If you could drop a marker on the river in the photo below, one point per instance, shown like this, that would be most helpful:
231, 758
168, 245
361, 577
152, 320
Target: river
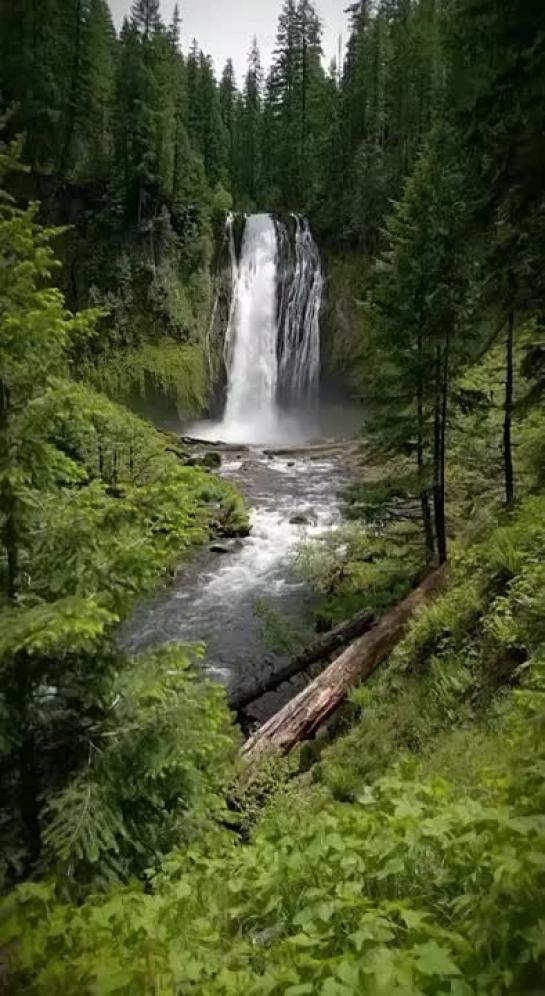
216, 597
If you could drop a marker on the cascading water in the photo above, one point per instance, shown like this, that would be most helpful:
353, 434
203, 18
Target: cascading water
230, 240
299, 340
253, 332
272, 341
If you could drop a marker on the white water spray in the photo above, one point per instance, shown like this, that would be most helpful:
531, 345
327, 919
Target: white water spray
272, 341
252, 336
299, 352
230, 240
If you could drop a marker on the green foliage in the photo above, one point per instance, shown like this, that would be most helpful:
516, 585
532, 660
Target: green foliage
479, 636
280, 634
97, 778
115, 516
174, 369
159, 767
355, 567
422, 885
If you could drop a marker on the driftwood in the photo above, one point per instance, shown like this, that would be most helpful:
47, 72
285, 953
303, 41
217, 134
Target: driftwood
215, 444
319, 650
313, 449
308, 711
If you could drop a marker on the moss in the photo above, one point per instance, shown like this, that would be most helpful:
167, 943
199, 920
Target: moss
178, 369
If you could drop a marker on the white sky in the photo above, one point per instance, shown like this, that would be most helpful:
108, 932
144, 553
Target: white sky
225, 28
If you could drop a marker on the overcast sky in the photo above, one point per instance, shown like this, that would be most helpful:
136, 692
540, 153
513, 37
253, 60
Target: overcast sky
225, 28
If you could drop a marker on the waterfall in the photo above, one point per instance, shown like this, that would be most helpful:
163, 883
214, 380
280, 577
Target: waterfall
253, 332
272, 339
230, 240
299, 341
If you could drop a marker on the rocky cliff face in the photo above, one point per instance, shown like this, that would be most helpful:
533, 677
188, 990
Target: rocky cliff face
346, 331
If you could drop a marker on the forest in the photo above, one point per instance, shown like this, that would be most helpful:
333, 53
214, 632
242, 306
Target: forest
399, 847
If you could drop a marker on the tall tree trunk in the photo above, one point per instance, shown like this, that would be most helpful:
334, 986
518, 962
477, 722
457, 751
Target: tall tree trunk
508, 412
29, 797
176, 163
442, 545
11, 540
427, 524
441, 389
8, 500
25, 754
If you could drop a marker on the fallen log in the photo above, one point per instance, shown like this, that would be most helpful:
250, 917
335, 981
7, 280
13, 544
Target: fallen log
319, 650
215, 444
313, 449
308, 711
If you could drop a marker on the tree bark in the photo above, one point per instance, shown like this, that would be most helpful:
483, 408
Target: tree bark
508, 413
317, 651
427, 524
439, 449
8, 499
28, 798
11, 541
309, 710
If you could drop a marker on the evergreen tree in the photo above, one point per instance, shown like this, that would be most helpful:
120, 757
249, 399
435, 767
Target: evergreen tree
296, 75
95, 118
35, 70
146, 17
250, 126
421, 302
227, 96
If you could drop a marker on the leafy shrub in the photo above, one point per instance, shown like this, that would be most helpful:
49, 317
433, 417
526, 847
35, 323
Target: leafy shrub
416, 887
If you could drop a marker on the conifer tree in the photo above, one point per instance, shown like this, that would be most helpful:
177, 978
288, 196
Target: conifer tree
95, 119
227, 97
146, 17
251, 125
421, 302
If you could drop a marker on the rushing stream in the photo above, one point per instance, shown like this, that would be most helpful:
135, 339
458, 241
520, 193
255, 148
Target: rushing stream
214, 599
272, 355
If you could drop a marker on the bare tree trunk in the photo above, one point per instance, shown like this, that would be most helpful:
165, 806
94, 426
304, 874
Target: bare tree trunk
309, 710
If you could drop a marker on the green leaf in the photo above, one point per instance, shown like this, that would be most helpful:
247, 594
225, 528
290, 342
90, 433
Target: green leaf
432, 959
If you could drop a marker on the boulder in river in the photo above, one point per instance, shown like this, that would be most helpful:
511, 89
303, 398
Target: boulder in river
306, 517
210, 460
225, 546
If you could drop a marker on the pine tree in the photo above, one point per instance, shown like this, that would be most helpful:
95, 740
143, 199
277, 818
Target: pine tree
227, 97
95, 124
296, 79
496, 54
421, 307
35, 67
146, 17
250, 126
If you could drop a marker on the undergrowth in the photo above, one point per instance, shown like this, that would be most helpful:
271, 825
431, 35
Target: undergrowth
412, 861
